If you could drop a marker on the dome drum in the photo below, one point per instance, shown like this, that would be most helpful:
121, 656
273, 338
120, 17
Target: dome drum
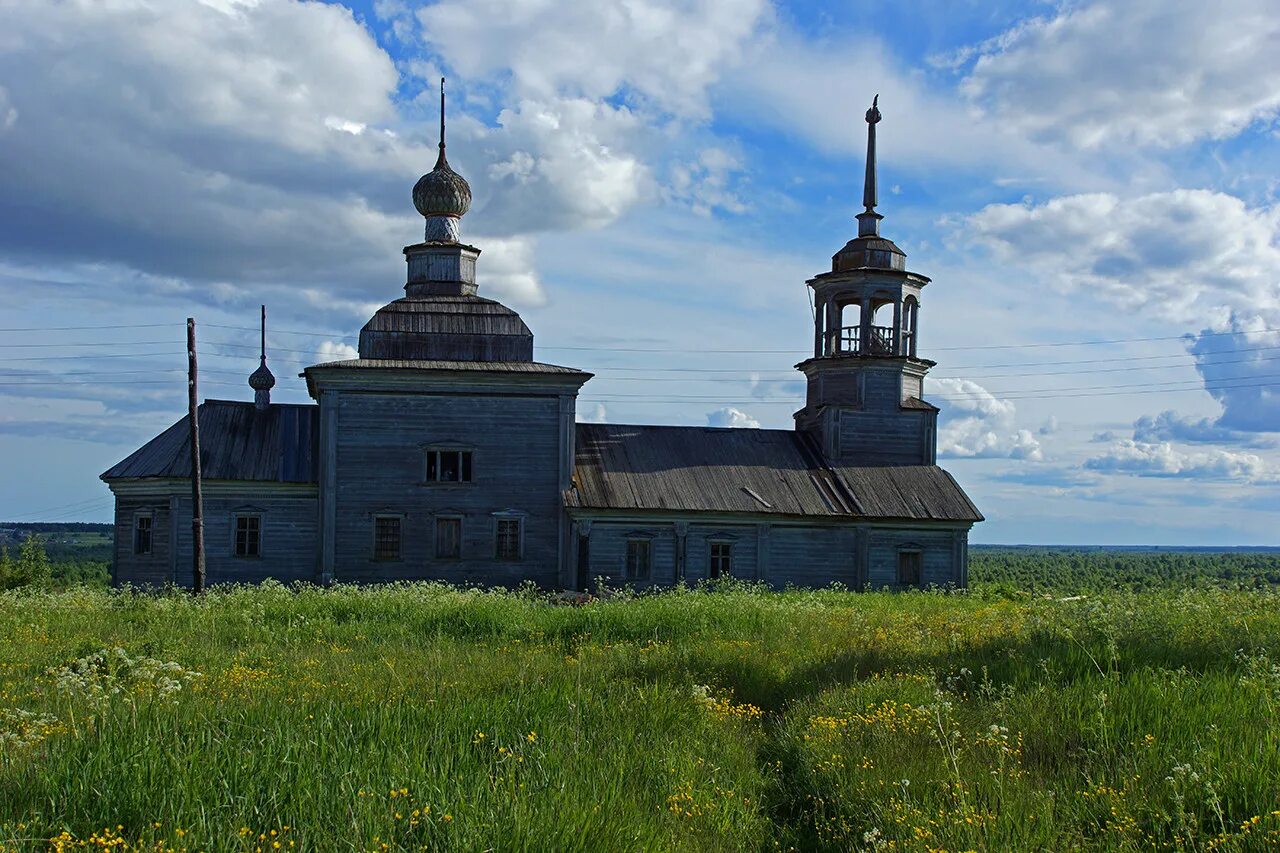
446, 328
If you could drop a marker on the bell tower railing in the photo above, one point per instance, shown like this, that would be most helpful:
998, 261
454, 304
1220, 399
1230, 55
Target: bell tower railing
848, 341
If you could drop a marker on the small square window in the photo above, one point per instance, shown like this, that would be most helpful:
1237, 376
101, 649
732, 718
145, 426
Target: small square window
248, 536
386, 537
142, 534
449, 466
909, 564
507, 541
448, 538
638, 558
721, 560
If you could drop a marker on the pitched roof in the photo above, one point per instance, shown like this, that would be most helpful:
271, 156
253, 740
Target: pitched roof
237, 442
703, 469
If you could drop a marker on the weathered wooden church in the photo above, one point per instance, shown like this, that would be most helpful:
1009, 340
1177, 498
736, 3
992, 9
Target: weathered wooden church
444, 451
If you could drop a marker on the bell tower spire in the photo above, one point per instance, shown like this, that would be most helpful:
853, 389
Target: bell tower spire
869, 220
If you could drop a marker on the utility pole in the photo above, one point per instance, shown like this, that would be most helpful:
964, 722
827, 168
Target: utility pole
197, 501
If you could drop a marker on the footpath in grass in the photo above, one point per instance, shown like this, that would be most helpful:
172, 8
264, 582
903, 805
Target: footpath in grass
420, 717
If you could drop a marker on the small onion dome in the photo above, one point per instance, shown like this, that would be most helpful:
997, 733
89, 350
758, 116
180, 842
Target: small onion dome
262, 379
442, 191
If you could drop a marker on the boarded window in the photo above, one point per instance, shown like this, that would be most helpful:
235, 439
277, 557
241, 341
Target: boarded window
448, 538
909, 563
721, 559
248, 536
386, 537
142, 534
639, 552
449, 466
508, 545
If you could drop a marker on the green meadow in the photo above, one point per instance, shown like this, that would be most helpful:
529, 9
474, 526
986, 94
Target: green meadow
425, 717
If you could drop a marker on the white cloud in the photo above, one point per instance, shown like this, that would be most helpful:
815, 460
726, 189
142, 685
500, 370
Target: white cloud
1162, 459
598, 415
731, 417
507, 271
1117, 71
975, 423
1199, 258
1172, 426
335, 351
667, 53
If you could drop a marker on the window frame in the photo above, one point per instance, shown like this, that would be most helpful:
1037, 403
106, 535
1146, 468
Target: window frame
398, 518
432, 464
712, 571
637, 540
150, 516
918, 553
508, 517
435, 535
236, 516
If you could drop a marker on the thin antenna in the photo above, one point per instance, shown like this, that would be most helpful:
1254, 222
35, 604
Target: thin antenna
264, 334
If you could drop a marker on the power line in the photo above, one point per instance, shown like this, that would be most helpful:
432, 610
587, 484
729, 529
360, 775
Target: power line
89, 328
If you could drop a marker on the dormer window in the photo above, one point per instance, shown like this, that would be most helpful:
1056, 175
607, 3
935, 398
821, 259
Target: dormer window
448, 465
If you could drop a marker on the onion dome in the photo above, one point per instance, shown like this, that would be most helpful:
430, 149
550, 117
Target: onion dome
262, 379
442, 195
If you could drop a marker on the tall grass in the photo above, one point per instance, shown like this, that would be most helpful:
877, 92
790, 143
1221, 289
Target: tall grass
428, 717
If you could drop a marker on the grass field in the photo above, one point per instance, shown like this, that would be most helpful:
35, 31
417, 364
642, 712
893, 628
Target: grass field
425, 717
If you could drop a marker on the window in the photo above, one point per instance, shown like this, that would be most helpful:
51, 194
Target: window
248, 536
142, 533
638, 558
386, 537
448, 466
721, 559
909, 563
448, 538
507, 539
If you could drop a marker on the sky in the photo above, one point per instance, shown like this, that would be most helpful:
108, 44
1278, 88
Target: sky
1091, 186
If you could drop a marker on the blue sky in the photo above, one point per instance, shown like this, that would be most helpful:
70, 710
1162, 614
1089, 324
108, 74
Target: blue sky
654, 182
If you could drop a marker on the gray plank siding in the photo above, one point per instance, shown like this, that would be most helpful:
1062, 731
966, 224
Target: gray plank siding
142, 569
937, 547
884, 438
380, 446
608, 552
812, 556
744, 539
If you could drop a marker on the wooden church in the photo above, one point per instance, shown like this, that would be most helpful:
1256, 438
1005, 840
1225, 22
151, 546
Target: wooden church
445, 452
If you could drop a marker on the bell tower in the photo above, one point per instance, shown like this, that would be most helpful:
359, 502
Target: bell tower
864, 404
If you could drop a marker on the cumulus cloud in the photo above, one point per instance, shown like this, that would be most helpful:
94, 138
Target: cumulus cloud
1115, 71
1163, 459
1200, 258
336, 351
666, 53
731, 417
598, 414
1171, 426
974, 423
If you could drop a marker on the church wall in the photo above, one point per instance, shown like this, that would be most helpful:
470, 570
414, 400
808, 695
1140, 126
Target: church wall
890, 438
380, 446
288, 540
812, 556
152, 569
939, 552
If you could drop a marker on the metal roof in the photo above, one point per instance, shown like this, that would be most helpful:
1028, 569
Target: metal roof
238, 441
704, 469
